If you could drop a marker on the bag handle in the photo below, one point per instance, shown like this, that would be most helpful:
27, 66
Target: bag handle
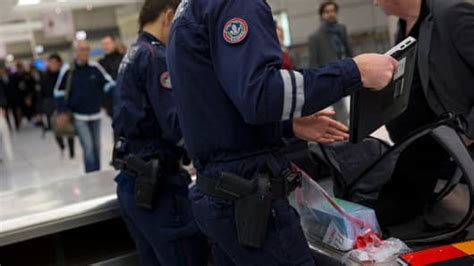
450, 140
445, 119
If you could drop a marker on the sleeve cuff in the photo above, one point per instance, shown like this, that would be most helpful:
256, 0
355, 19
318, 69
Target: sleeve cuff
287, 129
351, 75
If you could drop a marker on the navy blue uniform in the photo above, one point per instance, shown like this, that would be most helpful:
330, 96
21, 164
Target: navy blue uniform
232, 96
146, 117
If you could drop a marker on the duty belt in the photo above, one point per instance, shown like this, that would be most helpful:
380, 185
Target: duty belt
166, 167
231, 187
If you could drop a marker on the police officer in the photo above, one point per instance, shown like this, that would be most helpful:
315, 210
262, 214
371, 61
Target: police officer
152, 187
235, 104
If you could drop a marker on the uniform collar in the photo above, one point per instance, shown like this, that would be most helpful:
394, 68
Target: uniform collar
147, 37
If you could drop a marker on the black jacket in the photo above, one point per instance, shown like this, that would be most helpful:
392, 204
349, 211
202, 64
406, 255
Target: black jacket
48, 81
3, 95
446, 58
111, 63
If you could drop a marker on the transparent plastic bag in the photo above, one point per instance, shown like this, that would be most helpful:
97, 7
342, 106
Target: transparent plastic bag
377, 253
332, 221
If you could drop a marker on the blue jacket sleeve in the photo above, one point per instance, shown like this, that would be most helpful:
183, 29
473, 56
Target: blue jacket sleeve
248, 67
159, 91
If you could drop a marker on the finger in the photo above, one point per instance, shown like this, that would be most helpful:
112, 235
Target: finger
394, 62
338, 133
338, 125
325, 113
325, 141
334, 137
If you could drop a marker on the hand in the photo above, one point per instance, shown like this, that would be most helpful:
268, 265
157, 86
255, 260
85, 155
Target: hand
320, 127
62, 120
467, 140
376, 70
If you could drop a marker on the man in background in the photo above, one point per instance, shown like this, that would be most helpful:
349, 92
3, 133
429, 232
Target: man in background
80, 90
443, 82
3, 89
48, 83
328, 44
25, 84
111, 63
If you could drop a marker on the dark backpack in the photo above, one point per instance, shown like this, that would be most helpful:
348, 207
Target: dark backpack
362, 171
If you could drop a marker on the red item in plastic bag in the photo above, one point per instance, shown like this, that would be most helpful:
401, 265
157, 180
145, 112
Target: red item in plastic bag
369, 237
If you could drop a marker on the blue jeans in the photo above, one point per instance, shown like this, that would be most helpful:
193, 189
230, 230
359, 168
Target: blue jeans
89, 136
285, 244
166, 235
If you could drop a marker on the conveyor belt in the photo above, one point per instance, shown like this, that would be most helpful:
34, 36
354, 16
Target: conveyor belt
58, 206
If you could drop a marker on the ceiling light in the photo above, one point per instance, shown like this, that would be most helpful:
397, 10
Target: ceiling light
28, 2
81, 35
10, 58
39, 49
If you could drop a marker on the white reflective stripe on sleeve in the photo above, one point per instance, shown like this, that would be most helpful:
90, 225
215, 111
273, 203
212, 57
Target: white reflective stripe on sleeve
300, 98
287, 94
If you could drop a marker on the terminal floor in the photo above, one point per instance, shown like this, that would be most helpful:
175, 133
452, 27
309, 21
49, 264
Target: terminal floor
38, 160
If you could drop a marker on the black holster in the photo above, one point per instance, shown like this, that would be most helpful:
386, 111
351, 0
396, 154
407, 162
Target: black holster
252, 206
148, 175
252, 200
147, 182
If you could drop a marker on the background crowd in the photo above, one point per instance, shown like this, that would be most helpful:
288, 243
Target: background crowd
27, 95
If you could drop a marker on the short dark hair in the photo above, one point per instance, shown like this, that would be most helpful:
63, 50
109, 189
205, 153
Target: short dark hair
56, 57
112, 37
326, 4
152, 9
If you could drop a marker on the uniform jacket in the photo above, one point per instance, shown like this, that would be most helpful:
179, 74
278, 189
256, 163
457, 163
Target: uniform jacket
232, 95
145, 108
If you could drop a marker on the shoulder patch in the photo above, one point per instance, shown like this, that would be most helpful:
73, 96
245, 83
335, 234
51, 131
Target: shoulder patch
165, 80
236, 30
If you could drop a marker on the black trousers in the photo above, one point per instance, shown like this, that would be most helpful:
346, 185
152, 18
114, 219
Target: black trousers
62, 146
15, 111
